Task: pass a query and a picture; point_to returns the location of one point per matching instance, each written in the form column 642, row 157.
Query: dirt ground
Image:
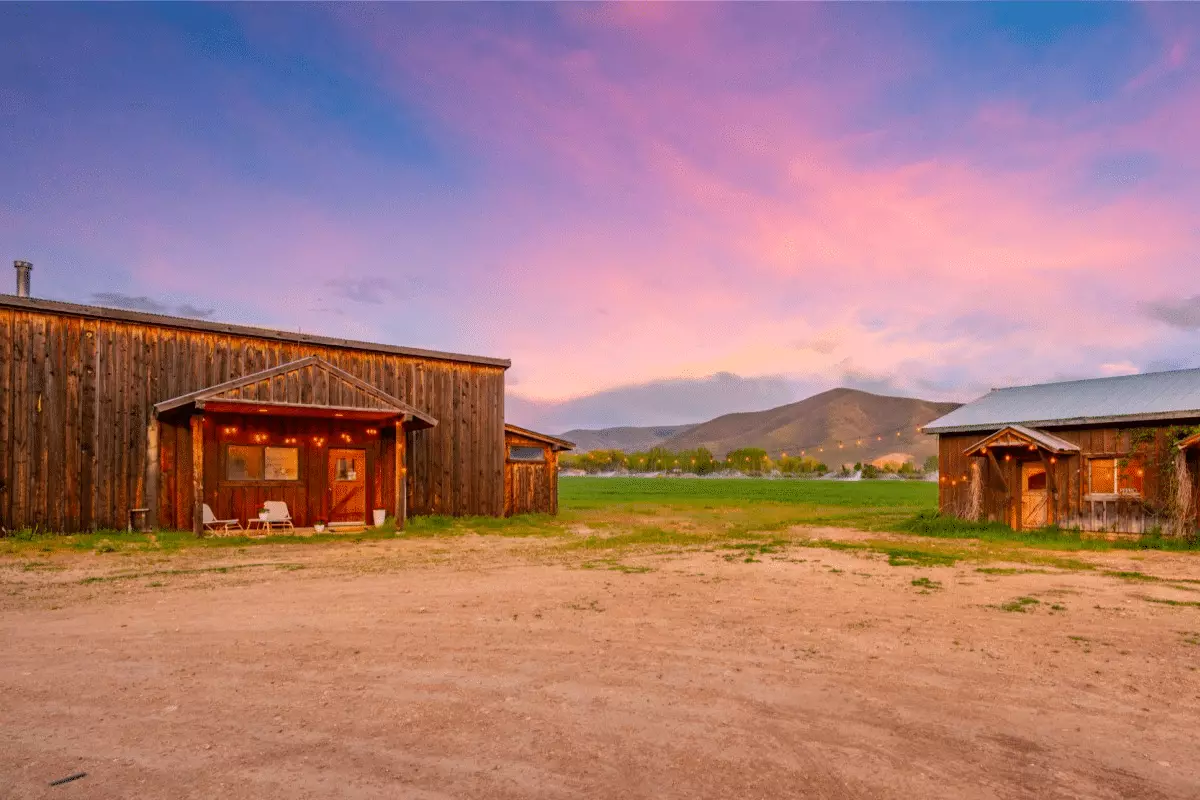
column 498, row 668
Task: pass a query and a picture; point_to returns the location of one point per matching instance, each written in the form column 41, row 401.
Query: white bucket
column 379, row 514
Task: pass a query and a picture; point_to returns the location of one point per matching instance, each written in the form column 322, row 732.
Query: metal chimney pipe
column 23, row 269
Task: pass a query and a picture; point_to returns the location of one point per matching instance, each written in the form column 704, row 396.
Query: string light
column 372, row 431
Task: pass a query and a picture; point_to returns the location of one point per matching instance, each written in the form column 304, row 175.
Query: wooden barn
column 108, row 415
column 531, row 471
column 1114, row 454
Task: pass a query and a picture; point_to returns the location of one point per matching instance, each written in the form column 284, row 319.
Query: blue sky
column 658, row 212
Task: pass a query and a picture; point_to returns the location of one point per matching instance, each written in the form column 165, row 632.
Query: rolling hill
column 626, row 439
column 864, row 424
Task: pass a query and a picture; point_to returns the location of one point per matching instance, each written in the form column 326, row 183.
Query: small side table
column 144, row 515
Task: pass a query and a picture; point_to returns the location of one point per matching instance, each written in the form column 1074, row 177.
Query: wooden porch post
column 1003, row 482
column 152, row 468
column 553, row 467
column 401, row 472
column 198, row 474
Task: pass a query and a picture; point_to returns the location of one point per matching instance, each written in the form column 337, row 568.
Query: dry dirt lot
column 498, row 668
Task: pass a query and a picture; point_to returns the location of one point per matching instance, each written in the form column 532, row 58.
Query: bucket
column 379, row 514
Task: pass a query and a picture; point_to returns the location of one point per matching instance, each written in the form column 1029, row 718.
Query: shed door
column 347, row 485
column 1034, row 506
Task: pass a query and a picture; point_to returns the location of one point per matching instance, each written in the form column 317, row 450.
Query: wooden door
column 347, row 485
column 1034, row 505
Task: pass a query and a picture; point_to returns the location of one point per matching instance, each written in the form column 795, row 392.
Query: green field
column 613, row 514
column 750, row 503
column 898, row 496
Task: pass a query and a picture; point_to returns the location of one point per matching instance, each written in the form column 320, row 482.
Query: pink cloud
column 753, row 175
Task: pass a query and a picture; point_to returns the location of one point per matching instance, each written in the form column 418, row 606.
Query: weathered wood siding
column 530, row 487
column 1067, row 480
column 77, row 392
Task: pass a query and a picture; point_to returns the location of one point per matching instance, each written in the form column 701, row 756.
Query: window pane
column 1036, row 482
column 282, row 464
column 1104, row 476
column 243, row 463
column 1132, row 477
column 347, row 469
column 526, row 454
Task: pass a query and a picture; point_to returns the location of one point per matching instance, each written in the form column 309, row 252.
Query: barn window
column 243, row 463
column 253, row 463
column 1111, row 476
column 526, row 454
column 281, row 463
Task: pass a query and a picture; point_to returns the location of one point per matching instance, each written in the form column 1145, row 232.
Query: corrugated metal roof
column 187, row 323
column 1123, row 398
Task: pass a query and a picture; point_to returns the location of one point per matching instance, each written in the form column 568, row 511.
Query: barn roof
column 305, row 386
column 186, row 323
column 1147, row 397
column 555, row 443
column 1019, row 435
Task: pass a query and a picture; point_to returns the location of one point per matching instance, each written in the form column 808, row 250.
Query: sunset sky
column 660, row 213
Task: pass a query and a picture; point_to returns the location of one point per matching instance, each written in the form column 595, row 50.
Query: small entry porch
column 306, row 434
column 1022, row 467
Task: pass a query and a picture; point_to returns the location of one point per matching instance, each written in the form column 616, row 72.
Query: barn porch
column 331, row 446
column 1020, row 468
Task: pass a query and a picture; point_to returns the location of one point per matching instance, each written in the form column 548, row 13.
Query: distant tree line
column 701, row 461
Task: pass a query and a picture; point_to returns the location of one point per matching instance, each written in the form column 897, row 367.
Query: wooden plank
column 89, row 426
column 72, row 416
column 106, row 455
column 183, row 476
column 6, row 405
column 197, row 430
column 63, row 447
column 399, row 471
column 19, row 434
column 121, row 409
column 152, row 473
column 552, row 465
column 39, row 407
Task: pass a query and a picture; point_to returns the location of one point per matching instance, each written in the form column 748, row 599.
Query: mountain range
column 837, row 426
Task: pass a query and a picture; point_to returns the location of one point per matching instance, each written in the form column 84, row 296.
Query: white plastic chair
column 277, row 514
column 211, row 523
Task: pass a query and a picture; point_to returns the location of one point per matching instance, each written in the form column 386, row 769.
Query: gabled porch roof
column 1191, row 441
column 306, row 387
column 556, row 444
column 1021, row 436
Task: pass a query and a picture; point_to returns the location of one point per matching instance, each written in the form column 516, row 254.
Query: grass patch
column 926, row 583
column 1020, row 605
column 1012, row 571
column 125, row 576
column 1167, row 602
column 641, row 535
column 615, row 566
column 931, row 523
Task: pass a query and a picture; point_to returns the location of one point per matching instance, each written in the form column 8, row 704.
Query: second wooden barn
column 1114, row 454
column 531, row 471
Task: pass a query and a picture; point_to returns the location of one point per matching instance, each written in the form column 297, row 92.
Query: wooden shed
column 1110, row 454
column 104, row 411
column 531, row 471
